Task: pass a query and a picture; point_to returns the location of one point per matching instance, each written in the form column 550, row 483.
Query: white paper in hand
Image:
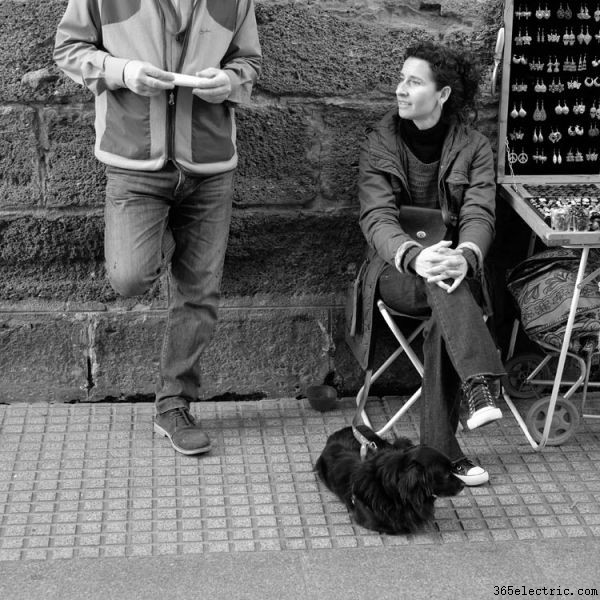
column 187, row 80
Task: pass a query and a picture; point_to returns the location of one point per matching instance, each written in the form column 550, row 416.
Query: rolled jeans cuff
column 170, row 403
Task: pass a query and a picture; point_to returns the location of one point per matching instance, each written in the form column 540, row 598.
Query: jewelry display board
column 549, row 122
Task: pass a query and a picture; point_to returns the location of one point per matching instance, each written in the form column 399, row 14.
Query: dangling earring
column 522, row 111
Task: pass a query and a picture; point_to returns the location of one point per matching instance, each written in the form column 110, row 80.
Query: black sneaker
column 182, row 430
column 469, row 473
column 481, row 401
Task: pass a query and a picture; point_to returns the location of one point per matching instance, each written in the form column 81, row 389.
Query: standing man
column 169, row 146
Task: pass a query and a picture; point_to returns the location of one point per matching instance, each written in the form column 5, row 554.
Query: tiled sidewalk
column 92, row 480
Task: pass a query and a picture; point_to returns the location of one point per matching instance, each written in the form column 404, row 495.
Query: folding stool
column 389, row 315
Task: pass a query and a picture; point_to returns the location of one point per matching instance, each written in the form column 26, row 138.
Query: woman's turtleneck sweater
column 424, row 152
column 425, row 144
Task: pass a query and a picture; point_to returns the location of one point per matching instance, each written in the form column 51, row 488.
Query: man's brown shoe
column 182, row 430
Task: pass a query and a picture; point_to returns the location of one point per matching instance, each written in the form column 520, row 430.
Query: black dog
column 394, row 488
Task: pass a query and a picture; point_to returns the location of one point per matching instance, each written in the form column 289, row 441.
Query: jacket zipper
column 172, row 94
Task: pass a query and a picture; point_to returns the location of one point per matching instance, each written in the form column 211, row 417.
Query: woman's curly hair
column 456, row 68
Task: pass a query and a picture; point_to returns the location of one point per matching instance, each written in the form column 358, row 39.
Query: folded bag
column 424, row 225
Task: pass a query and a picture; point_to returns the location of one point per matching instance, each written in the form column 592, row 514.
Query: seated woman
column 424, row 153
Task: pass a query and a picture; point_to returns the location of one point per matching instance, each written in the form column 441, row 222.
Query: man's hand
column 216, row 88
column 146, row 79
column 439, row 263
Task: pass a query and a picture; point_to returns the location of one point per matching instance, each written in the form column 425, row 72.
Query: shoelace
column 183, row 415
column 478, row 393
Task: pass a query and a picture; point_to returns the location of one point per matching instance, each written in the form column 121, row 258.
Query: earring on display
column 583, row 13
column 555, row 136
column 514, row 113
column 539, row 13
column 516, row 134
column 522, row 111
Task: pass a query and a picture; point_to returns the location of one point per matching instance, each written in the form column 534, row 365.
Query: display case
column 549, row 119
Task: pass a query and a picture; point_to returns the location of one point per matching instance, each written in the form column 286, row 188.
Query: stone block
column 124, row 352
column 43, row 357
column 20, row 185
column 27, row 31
column 277, row 165
column 291, row 253
column 58, row 257
column 314, row 53
column 276, row 351
column 74, row 176
column 342, row 132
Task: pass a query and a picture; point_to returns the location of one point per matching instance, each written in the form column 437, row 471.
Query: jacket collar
column 389, row 149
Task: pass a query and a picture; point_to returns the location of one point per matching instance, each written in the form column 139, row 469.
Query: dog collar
column 365, row 444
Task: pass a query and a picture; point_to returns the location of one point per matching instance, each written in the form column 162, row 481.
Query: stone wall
column 330, row 68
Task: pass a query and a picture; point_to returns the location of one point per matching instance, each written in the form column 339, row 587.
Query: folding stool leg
column 370, row 377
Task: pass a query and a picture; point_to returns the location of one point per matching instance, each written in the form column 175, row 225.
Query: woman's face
column 417, row 96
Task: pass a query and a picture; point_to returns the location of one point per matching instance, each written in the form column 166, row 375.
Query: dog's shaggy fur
column 393, row 490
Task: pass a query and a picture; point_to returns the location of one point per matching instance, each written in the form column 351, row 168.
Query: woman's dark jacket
column 467, row 196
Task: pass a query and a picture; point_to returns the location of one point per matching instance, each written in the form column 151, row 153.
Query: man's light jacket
column 96, row 39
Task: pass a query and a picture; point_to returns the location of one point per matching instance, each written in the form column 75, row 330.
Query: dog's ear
column 414, row 484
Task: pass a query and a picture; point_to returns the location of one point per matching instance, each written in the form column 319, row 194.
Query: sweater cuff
column 405, row 255
column 114, row 72
column 469, row 248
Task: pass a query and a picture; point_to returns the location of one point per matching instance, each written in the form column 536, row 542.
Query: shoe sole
column 483, row 417
column 158, row 429
column 471, row 480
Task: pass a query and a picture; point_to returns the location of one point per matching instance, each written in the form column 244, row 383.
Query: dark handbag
column 424, row 225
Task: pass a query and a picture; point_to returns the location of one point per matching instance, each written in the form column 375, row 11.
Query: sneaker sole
column 483, row 417
column 471, row 480
column 158, row 429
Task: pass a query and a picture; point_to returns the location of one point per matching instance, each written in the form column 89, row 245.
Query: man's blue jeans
column 457, row 346
column 152, row 218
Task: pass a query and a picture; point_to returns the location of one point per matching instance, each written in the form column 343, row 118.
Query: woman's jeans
column 151, row 219
column 457, row 345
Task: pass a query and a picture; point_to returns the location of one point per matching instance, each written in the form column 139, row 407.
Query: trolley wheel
column 565, row 420
column 518, row 368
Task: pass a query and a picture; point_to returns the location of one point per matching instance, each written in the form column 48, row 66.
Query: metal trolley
column 549, row 148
